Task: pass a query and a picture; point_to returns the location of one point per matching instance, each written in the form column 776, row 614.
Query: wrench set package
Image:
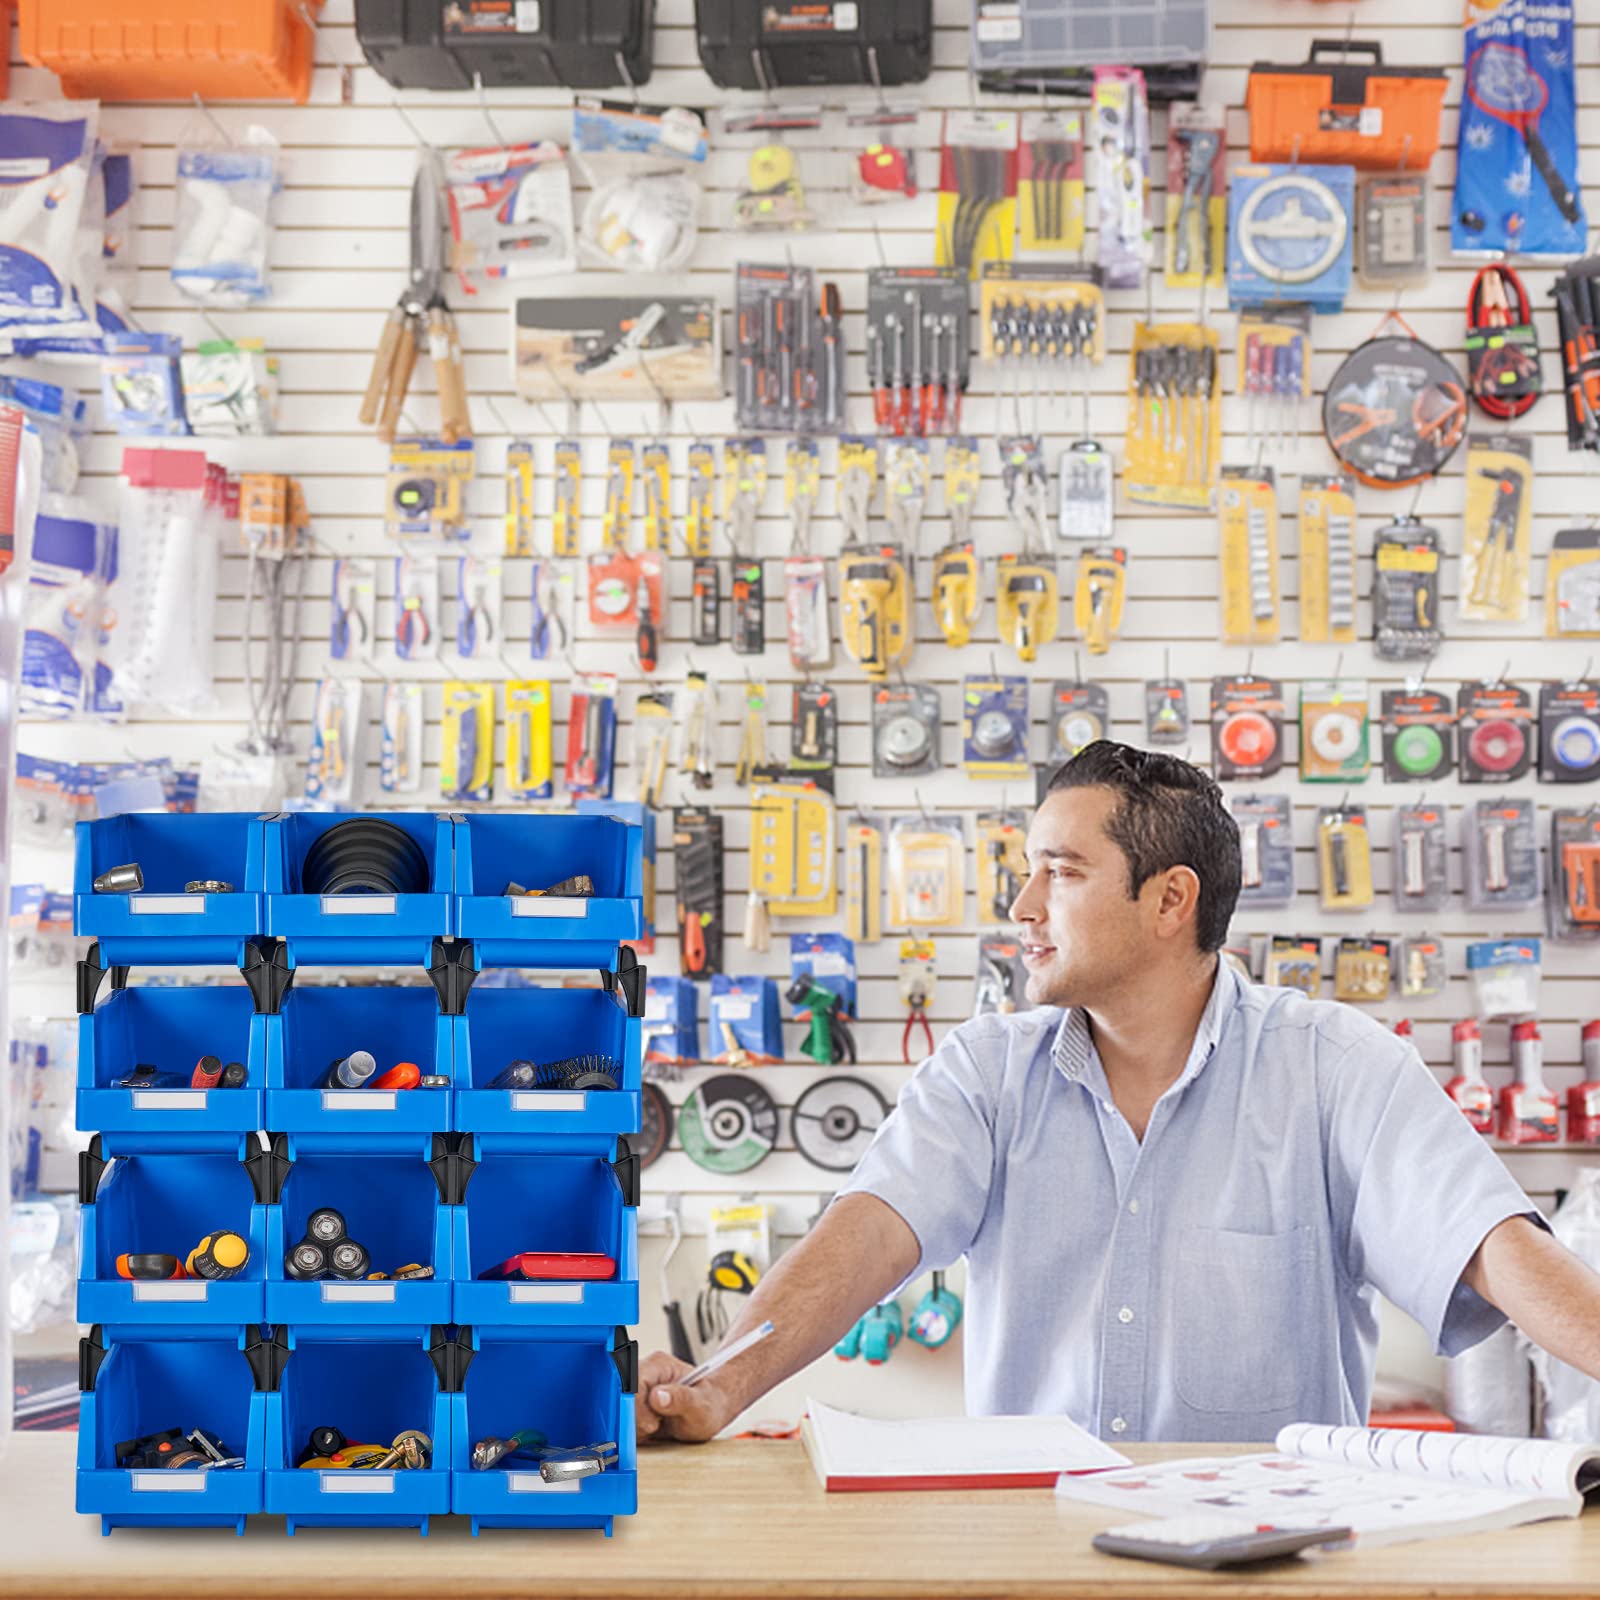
column 789, row 351
column 450, row 1188
column 917, row 349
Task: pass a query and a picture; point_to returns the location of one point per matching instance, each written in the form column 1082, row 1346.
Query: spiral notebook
column 1388, row 1484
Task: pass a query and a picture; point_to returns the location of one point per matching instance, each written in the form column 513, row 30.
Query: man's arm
column 860, row 1250
column 1544, row 1288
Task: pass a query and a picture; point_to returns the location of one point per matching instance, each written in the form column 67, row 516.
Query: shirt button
column 1118, row 1425
column 1125, row 1315
column 1133, row 1208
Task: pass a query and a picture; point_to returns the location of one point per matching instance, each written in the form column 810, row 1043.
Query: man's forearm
column 1544, row 1288
column 854, row 1256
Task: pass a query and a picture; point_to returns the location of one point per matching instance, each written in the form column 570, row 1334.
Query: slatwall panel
column 339, row 256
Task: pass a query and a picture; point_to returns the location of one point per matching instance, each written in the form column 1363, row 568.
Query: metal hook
column 215, row 326
column 877, row 234
column 664, row 414
column 627, row 77
column 1416, row 500
column 1338, row 664
column 916, row 794
column 205, row 111
column 483, row 107
column 762, row 79
column 1250, row 664
column 400, row 111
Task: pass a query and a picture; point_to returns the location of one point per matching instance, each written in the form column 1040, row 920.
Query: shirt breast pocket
column 1240, row 1300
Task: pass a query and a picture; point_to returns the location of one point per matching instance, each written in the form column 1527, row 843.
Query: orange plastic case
column 1344, row 110
column 172, row 49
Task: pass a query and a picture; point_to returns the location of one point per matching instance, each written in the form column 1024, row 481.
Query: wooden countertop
column 743, row 1518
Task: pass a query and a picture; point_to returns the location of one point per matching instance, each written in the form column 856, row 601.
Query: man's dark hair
column 1168, row 814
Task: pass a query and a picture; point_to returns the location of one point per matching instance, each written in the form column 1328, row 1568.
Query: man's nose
column 1029, row 904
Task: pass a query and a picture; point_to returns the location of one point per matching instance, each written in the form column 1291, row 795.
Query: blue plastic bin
column 170, row 1028
column 162, row 925
column 538, row 1202
column 146, row 1386
column 319, row 1025
column 566, row 1385
column 165, row 1204
column 370, row 1384
column 542, row 1025
column 390, row 1204
column 538, row 851
column 357, row 929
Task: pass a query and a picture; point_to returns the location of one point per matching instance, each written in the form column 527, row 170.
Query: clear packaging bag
column 645, row 168
column 224, row 218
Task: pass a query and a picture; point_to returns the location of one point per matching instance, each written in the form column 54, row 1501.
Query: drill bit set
column 1174, row 416
column 917, row 349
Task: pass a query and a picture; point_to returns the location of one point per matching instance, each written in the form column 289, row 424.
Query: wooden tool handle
column 456, row 420
column 382, row 367
column 405, row 360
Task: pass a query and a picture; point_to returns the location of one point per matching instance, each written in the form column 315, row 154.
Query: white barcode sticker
column 846, row 16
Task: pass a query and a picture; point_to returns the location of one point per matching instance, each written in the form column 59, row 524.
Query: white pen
column 722, row 1357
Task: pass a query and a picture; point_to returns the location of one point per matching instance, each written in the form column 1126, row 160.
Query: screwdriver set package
column 1174, row 438
column 1266, row 848
column 789, row 351
column 917, row 348
column 1500, row 839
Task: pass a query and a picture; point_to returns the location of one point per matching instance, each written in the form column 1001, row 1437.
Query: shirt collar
column 1073, row 1052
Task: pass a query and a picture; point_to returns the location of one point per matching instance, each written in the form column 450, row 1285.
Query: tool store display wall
column 339, row 252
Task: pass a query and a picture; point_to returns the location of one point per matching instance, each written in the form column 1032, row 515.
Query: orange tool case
column 172, row 49
column 1356, row 111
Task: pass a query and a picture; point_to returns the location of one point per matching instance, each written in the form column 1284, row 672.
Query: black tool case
column 777, row 44
column 509, row 44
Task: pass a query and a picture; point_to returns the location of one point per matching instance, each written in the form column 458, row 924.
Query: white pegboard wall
column 339, row 258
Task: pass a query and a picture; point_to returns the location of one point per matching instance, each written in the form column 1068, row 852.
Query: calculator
column 1211, row 1541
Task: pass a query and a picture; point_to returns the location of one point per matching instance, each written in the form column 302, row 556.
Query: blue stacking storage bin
column 170, row 1028
column 370, row 1384
column 542, row 1025
column 179, row 1379
column 319, row 1025
column 162, row 925
column 565, row 1384
column 390, row 1203
column 357, row 929
column 515, row 1203
column 538, row 852
column 165, row 1204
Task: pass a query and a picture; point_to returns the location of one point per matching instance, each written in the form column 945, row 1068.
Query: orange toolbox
column 1351, row 111
column 172, row 49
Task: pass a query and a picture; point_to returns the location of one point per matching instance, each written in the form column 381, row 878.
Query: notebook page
column 1542, row 1467
column 924, row 1447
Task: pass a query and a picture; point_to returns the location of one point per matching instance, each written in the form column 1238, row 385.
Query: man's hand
column 665, row 1409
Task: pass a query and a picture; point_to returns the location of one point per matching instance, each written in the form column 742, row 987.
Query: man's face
column 1082, row 935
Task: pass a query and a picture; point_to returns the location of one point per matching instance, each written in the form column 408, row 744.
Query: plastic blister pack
column 1500, row 840
column 1266, row 848
column 1419, row 859
column 510, row 213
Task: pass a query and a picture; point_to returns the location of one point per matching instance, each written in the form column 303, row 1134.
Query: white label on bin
column 730, row 1009
column 183, row 1481
column 358, row 1099
column 549, row 1100
column 357, row 1293
column 184, row 1290
column 167, row 905
column 358, row 905
column 532, row 1483
column 169, row 1099
column 357, row 1482
column 540, row 905
column 547, row 1294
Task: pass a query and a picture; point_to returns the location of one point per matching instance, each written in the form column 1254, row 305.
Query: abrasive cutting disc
column 729, row 1124
column 1418, row 749
column 1079, row 729
column 993, row 734
column 1336, row 736
column 1497, row 746
column 834, row 1121
column 655, row 1124
column 903, row 741
column 1248, row 738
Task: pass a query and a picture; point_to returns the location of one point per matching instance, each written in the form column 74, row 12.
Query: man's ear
column 1178, row 901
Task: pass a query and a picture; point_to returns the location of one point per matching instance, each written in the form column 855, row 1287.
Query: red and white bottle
column 1528, row 1110
column 1583, row 1099
column 1468, row 1088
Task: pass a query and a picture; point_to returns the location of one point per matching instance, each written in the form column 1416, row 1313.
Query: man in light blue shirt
column 1179, row 1193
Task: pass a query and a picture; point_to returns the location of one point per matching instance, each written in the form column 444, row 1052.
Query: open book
column 852, row 1453
column 1388, row 1484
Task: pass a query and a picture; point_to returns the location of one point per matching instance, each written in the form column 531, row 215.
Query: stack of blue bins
column 456, row 1178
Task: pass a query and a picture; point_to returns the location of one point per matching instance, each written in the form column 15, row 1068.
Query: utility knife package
column 547, row 44
column 617, row 347
column 790, row 44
